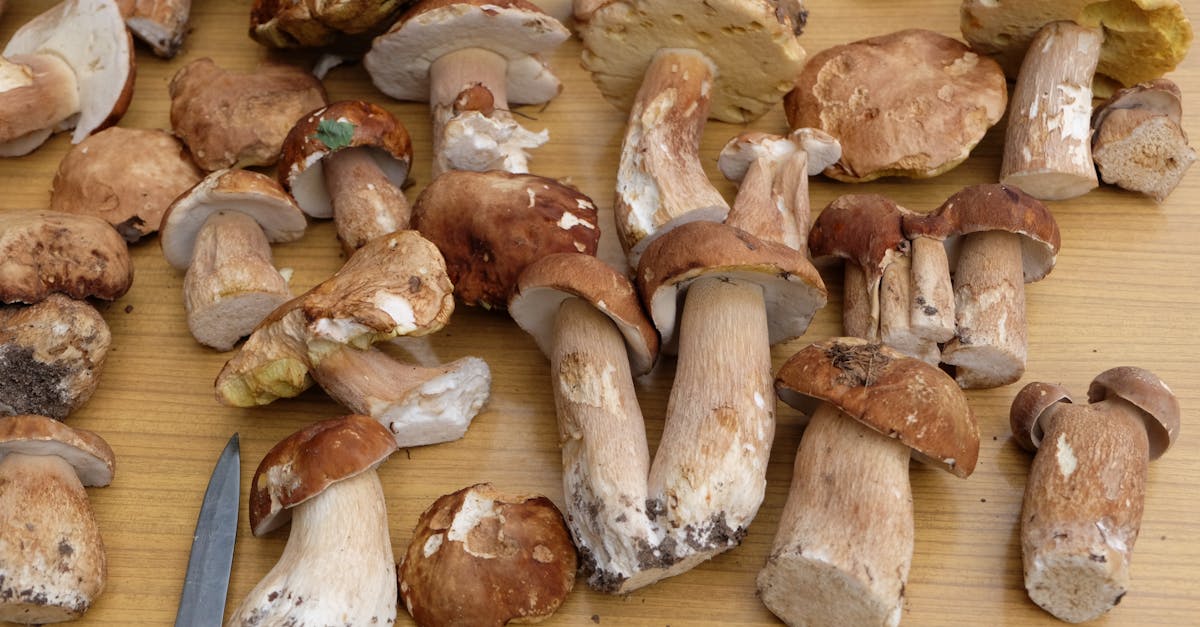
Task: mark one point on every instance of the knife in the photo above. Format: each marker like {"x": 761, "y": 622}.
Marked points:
{"x": 202, "y": 603}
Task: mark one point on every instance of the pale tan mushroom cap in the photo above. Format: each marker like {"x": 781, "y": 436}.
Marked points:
{"x": 751, "y": 44}
{"x": 911, "y": 103}
{"x": 29, "y": 434}
{"x": 898, "y": 396}
{"x": 47, "y": 252}
{"x": 1147, "y": 392}
{"x": 1160, "y": 96}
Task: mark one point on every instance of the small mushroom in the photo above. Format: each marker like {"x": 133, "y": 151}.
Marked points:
{"x": 485, "y": 558}
{"x": 221, "y": 232}
{"x": 1086, "y": 487}
{"x": 232, "y": 119}
{"x": 126, "y": 176}
{"x": 52, "y": 560}
{"x": 337, "y": 567}
{"x": 162, "y": 24}
{"x": 844, "y": 545}
{"x": 47, "y": 252}
{"x": 1138, "y": 142}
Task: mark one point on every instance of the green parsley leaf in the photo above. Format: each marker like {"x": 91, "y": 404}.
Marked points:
{"x": 335, "y": 134}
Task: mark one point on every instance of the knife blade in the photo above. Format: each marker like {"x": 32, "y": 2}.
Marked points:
{"x": 202, "y": 603}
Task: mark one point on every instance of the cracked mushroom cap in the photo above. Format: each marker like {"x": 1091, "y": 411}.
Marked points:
{"x": 547, "y": 282}
{"x": 1144, "y": 390}
{"x": 243, "y": 191}
{"x": 290, "y": 24}
{"x": 823, "y": 150}
{"x": 339, "y": 126}
{"x": 484, "y": 558}
{"x": 792, "y": 288}
{"x": 51, "y": 356}
{"x": 866, "y": 229}
{"x": 29, "y": 434}
{"x": 126, "y": 176}
{"x": 490, "y": 225}
{"x": 399, "y": 61}
{"x": 751, "y": 44}
{"x": 996, "y": 207}
{"x": 911, "y": 103}
{"x": 307, "y": 462}
{"x": 898, "y": 396}
{"x": 1030, "y": 407}
{"x": 47, "y": 252}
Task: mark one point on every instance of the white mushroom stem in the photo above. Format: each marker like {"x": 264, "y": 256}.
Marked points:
{"x": 660, "y": 180}
{"x": 419, "y": 405}
{"x": 1047, "y": 151}
{"x": 337, "y": 567}
{"x": 231, "y": 284}
{"x": 895, "y": 306}
{"x": 842, "y": 552}
{"x": 366, "y": 204}
{"x": 772, "y": 201}
{"x": 1083, "y": 508}
{"x": 989, "y": 298}
{"x": 36, "y": 93}
{"x": 932, "y": 304}
{"x": 52, "y": 560}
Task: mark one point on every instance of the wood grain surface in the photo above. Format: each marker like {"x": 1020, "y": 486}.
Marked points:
{"x": 1126, "y": 292}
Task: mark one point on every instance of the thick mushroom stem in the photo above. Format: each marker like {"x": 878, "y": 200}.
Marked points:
{"x": 52, "y": 560}
{"x": 989, "y": 296}
{"x": 366, "y": 204}
{"x": 231, "y": 284}
{"x": 860, "y": 303}
{"x": 1083, "y": 508}
{"x": 772, "y": 201}
{"x": 337, "y": 567}
{"x": 36, "y": 93}
{"x": 932, "y": 304}
{"x": 1047, "y": 150}
{"x": 660, "y": 180}
{"x": 895, "y": 309}
{"x": 418, "y": 405}
{"x": 605, "y": 456}
{"x": 849, "y": 482}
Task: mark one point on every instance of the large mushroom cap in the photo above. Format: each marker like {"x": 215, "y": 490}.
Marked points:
{"x": 1147, "y": 392}
{"x": 340, "y": 126}
{"x": 307, "y": 462}
{"x": 911, "y": 103}
{"x": 547, "y": 282}
{"x": 29, "y": 434}
{"x": 898, "y": 396}
{"x": 47, "y": 252}
{"x": 517, "y": 30}
{"x": 751, "y": 43}
{"x": 289, "y": 24}
{"x": 1030, "y": 407}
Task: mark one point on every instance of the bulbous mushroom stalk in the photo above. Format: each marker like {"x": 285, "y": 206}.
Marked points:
{"x": 1086, "y": 488}
{"x": 844, "y": 545}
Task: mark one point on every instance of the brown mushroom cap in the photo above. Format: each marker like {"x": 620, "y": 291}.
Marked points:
{"x": 911, "y": 103}
{"x": 86, "y": 452}
{"x": 341, "y": 125}
{"x": 307, "y": 462}
{"x": 490, "y": 225}
{"x": 284, "y": 24}
{"x": 866, "y": 229}
{"x": 1147, "y": 392}
{"x": 47, "y": 252}
{"x": 1160, "y": 96}
{"x": 126, "y": 176}
{"x": 898, "y": 396}
{"x": 1030, "y": 407}
{"x": 792, "y": 288}
{"x": 547, "y": 282}
{"x": 479, "y": 557}
{"x": 251, "y": 193}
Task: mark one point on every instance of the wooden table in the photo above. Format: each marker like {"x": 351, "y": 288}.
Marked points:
{"x": 1125, "y": 292}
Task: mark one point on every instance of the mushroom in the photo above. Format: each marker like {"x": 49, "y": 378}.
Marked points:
{"x": 338, "y": 23}
{"x": 221, "y": 231}
{"x": 349, "y": 161}
{"x": 842, "y": 552}
{"x": 1084, "y": 496}
{"x": 469, "y": 59}
{"x": 47, "y": 252}
{"x": 337, "y": 566}
{"x": 1138, "y": 142}
{"x": 735, "y": 58}
{"x": 1008, "y": 239}
{"x": 482, "y": 557}
{"x": 394, "y": 285}
{"x": 126, "y": 176}
{"x": 52, "y": 559}
{"x": 232, "y": 119}
{"x": 162, "y": 24}
{"x": 68, "y": 68}
{"x": 911, "y": 103}
{"x": 490, "y": 225}
{"x": 1047, "y": 148}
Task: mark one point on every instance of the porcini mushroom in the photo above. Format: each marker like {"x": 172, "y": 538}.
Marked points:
{"x": 337, "y": 566}
{"x": 912, "y": 103}
{"x": 221, "y": 231}
{"x": 1084, "y": 496}
{"x": 52, "y": 560}
{"x": 1138, "y": 142}
{"x": 328, "y": 23}
{"x": 47, "y": 252}
{"x": 844, "y": 545}
{"x": 482, "y": 557}
{"x": 469, "y": 59}
{"x": 68, "y": 68}
{"x": 162, "y": 24}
